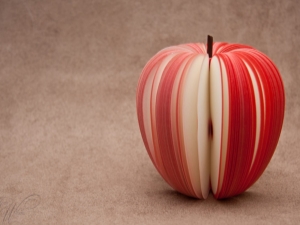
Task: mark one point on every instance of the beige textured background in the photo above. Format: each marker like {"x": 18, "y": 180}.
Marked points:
{"x": 70, "y": 147}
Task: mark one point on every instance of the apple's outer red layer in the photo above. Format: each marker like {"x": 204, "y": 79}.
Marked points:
{"x": 165, "y": 73}
{"x": 239, "y": 173}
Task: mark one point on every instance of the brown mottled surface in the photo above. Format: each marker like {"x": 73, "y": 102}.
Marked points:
{"x": 70, "y": 147}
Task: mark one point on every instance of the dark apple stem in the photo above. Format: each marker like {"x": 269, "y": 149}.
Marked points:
{"x": 209, "y": 45}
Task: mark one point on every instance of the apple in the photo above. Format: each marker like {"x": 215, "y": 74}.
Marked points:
{"x": 210, "y": 116}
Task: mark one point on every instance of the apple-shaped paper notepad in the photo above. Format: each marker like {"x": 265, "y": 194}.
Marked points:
{"x": 210, "y": 120}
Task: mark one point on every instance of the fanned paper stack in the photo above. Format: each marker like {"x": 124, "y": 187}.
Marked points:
{"x": 210, "y": 119}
